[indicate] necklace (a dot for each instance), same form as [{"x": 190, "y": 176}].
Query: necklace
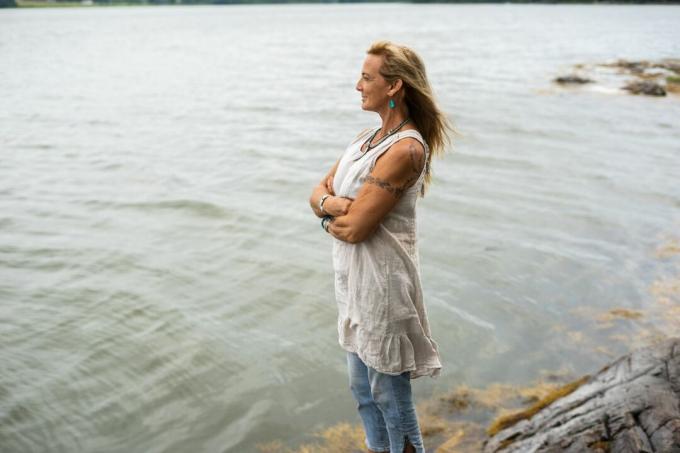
[{"x": 389, "y": 134}]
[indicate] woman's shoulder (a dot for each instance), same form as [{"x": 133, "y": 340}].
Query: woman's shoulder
[
  {"x": 413, "y": 134},
  {"x": 409, "y": 131}
]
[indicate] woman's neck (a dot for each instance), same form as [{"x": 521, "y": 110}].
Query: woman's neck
[{"x": 391, "y": 119}]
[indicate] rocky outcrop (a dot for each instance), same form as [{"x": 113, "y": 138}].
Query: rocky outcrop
[
  {"x": 572, "y": 79},
  {"x": 641, "y": 66},
  {"x": 630, "y": 405},
  {"x": 650, "y": 78},
  {"x": 646, "y": 87}
]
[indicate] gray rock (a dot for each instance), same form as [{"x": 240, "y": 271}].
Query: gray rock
[
  {"x": 672, "y": 64},
  {"x": 572, "y": 79},
  {"x": 646, "y": 87},
  {"x": 631, "y": 405}
]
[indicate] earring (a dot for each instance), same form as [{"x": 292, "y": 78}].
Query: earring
[{"x": 391, "y": 104}]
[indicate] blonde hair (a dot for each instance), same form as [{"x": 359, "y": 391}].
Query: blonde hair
[{"x": 401, "y": 62}]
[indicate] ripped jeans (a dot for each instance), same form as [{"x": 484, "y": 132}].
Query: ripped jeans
[{"x": 385, "y": 406}]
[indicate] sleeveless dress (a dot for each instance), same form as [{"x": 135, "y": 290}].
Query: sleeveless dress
[{"x": 381, "y": 314}]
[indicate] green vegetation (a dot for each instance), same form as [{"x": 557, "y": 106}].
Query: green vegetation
[{"x": 7, "y": 3}]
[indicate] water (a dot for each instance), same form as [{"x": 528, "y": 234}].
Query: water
[{"x": 164, "y": 284}]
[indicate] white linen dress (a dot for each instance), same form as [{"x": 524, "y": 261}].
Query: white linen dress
[{"x": 381, "y": 314}]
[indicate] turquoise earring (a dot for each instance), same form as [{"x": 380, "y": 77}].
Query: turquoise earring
[{"x": 392, "y": 104}]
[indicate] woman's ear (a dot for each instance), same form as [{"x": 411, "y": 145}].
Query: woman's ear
[{"x": 396, "y": 85}]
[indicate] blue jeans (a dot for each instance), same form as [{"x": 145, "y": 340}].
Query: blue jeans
[{"x": 385, "y": 406}]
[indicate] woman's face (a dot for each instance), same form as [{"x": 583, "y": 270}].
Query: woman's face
[{"x": 372, "y": 86}]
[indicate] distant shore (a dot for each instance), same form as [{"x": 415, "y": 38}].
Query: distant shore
[{"x": 87, "y": 3}]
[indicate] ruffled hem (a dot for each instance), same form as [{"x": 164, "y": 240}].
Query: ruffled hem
[{"x": 393, "y": 353}]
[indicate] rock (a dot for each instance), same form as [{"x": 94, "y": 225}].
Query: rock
[
  {"x": 646, "y": 87},
  {"x": 672, "y": 64},
  {"x": 572, "y": 79},
  {"x": 634, "y": 67},
  {"x": 673, "y": 84},
  {"x": 630, "y": 405}
]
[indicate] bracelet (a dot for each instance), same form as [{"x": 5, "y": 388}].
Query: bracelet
[
  {"x": 325, "y": 221},
  {"x": 323, "y": 198}
]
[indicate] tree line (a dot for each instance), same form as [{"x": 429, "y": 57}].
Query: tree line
[{"x": 13, "y": 3}]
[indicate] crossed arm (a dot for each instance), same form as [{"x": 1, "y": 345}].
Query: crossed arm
[
  {"x": 324, "y": 187},
  {"x": 395, "y": 171}
]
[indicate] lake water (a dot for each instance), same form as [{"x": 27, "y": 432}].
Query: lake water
[{"x": 164, "y": 285}]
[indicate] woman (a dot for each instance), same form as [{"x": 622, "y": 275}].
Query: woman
[{"x": 367, "y": 201}]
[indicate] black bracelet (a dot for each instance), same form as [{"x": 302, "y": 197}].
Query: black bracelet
[{"x": 325, "y": 221}]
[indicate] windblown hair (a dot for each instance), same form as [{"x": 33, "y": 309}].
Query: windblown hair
[{"x": 401, "y": 62}]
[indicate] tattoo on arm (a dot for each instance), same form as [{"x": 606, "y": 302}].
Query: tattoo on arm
[
  {"x": 396, "y": 191},
  {"x": 416, "y": 158},
  {"x": 416, "y": 166}
]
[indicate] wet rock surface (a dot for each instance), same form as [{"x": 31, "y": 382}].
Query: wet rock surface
[
  {"x": 649, "y": 78},
  {"x": 573, "y": 79},
  {"x": 641, "y": 66},
  {"x": 646, "y": 87},
  {"x": 630, "y": 405}
]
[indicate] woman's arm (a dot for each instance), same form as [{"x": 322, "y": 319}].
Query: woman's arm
[
  {"x": 324, "y": 187},
  {"x": 333, "y": 205},
  {"x": 395, "y": 171}
]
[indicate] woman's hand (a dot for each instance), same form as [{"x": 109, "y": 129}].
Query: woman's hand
[{"x": 336, "y": 206}]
